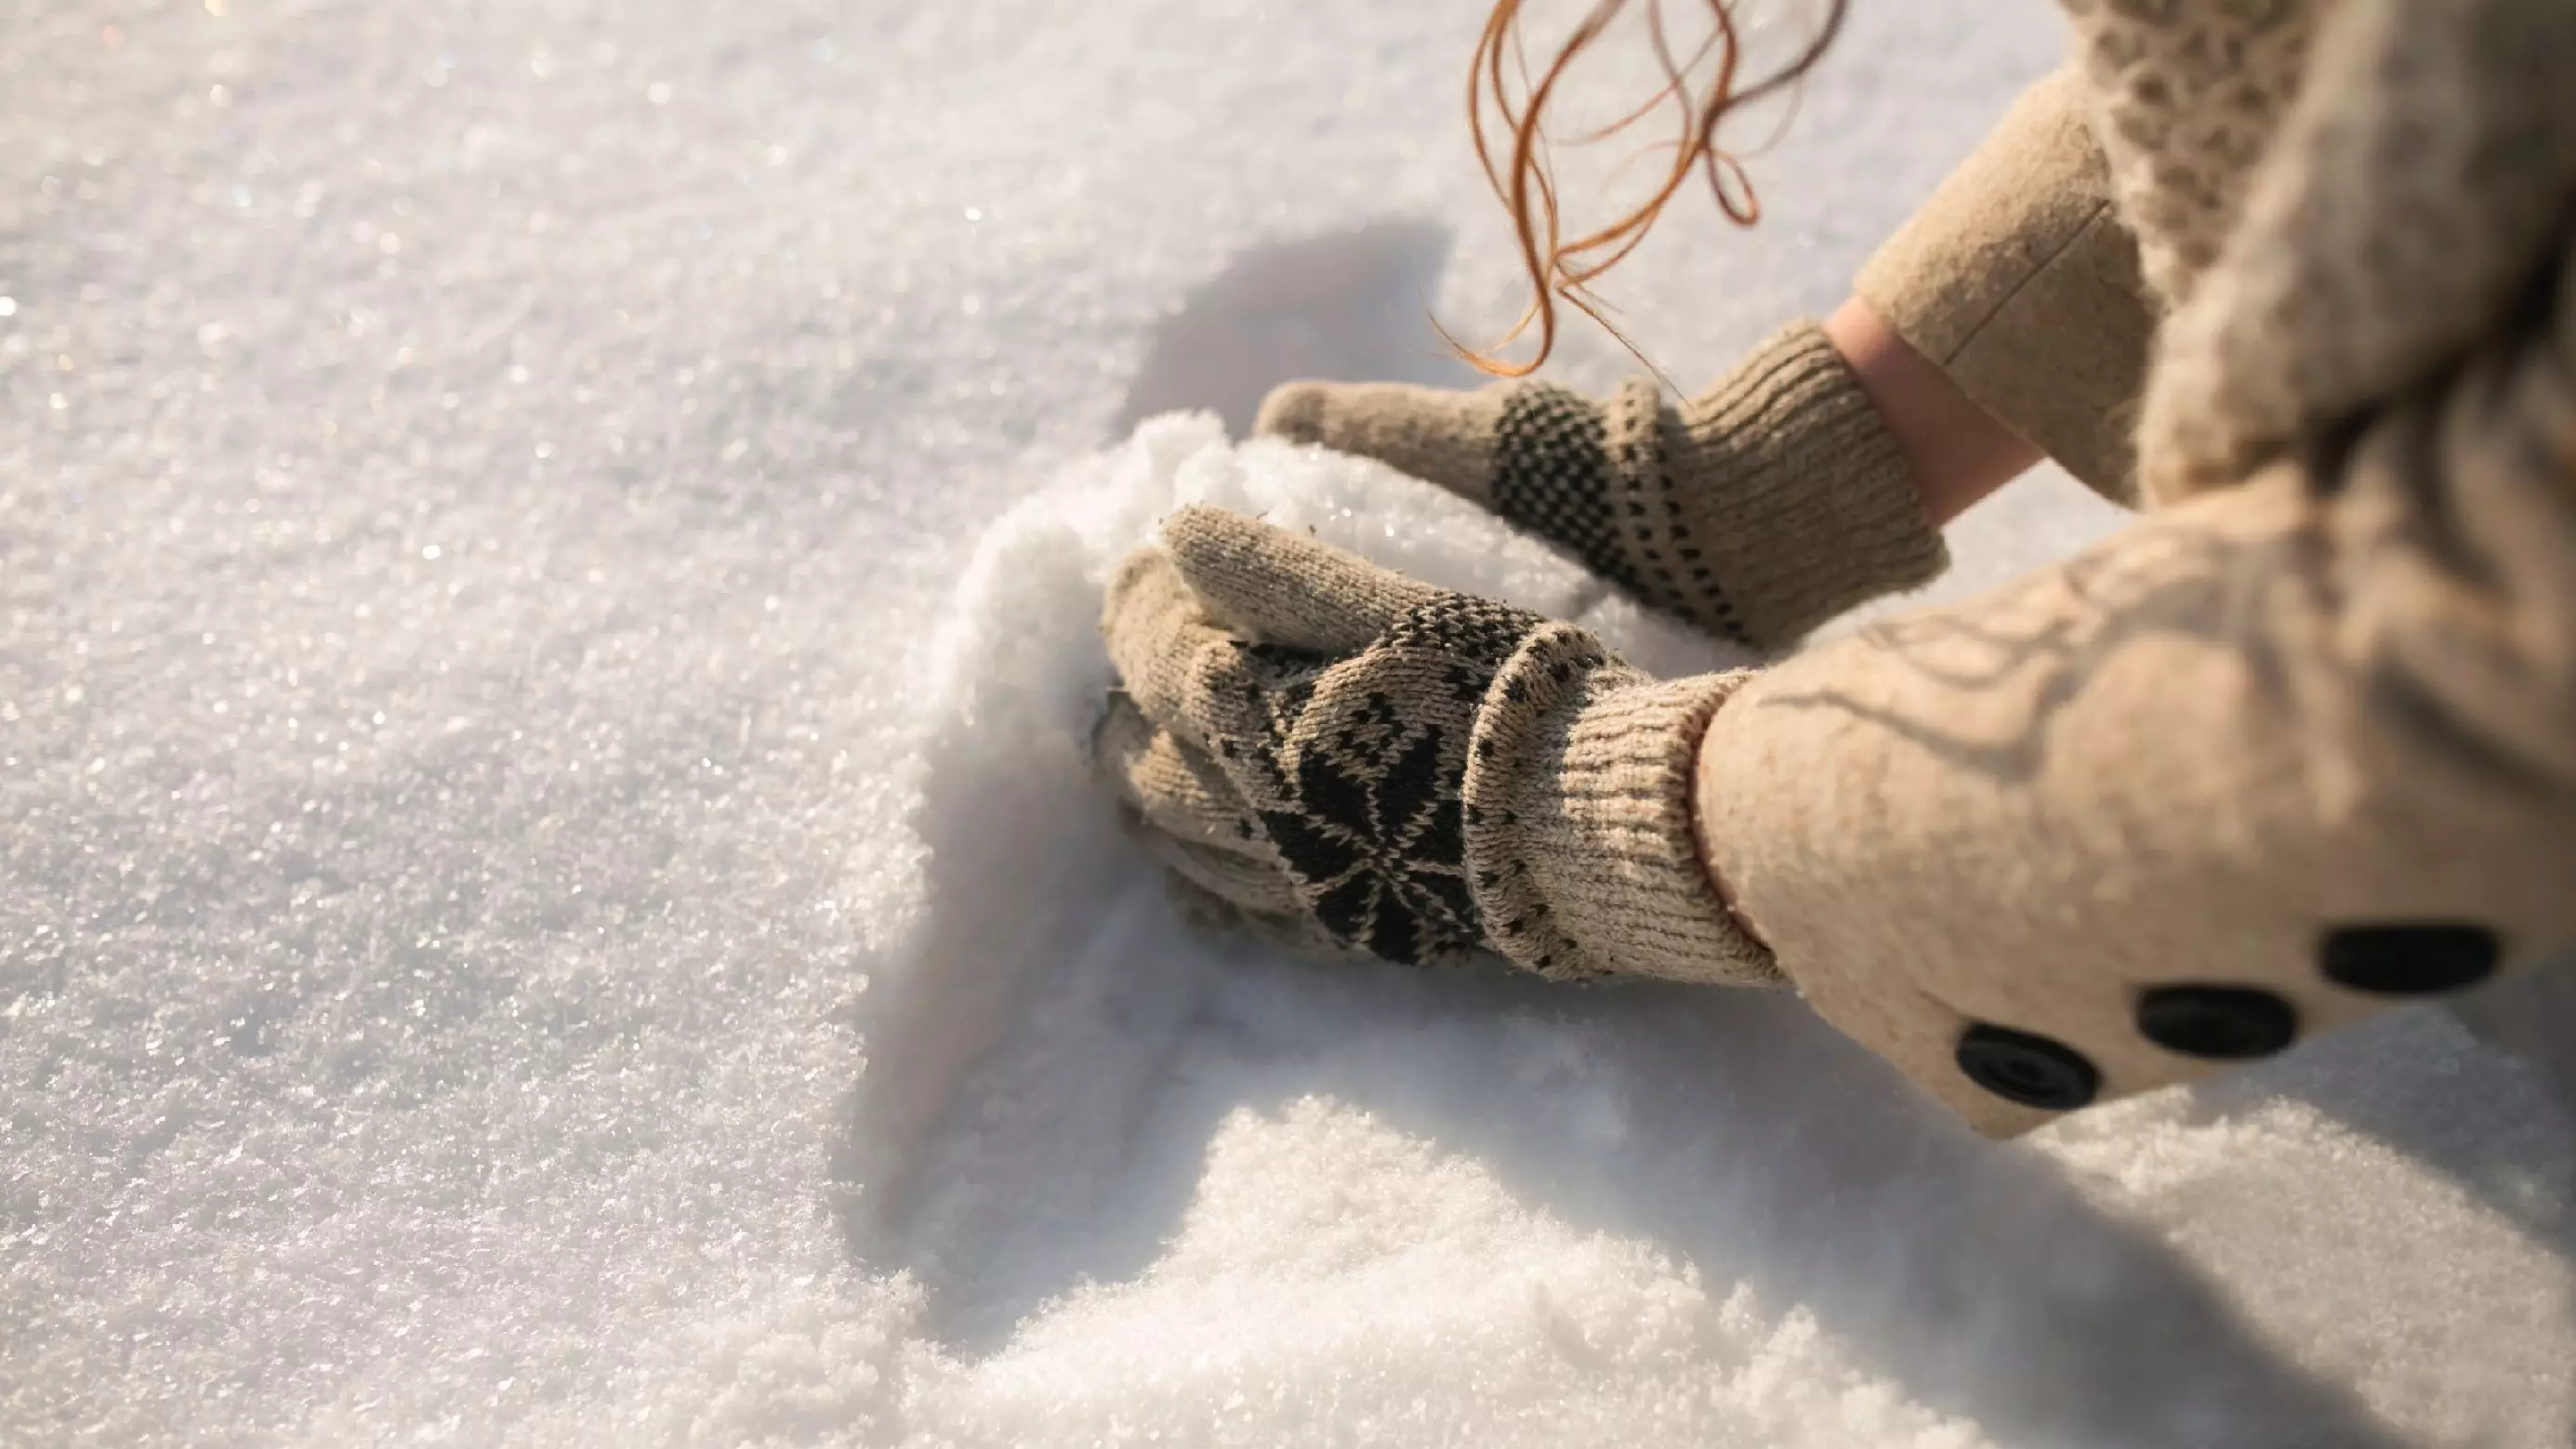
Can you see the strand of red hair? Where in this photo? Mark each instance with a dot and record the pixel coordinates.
(1561, 269)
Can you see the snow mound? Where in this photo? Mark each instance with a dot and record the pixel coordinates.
(1156, 1185)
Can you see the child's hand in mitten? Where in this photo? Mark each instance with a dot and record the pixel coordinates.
(1366, 765)
(1756, 510)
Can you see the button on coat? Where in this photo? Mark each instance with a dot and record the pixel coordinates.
(2409, 960)
(2220, 1023)
(2032, 1070)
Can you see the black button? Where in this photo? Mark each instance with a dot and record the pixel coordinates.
(2409, 960)
(2031, 1070)
(2225, 1023)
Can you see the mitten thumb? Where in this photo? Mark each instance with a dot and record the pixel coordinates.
(1437, 435)
(1284, 588)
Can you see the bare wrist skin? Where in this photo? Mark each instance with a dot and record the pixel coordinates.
(1956, 451)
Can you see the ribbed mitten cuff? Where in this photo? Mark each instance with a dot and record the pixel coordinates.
(1578, 821)
(1794, 496)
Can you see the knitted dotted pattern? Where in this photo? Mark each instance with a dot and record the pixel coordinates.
(1592, 478)
(1552, 472)
(1519, 918)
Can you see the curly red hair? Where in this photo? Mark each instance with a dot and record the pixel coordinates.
(1562, 268)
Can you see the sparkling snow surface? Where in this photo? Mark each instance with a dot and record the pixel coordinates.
(548, 551)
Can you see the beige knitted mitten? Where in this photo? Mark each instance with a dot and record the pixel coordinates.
(1756, 510)
(1363, 765)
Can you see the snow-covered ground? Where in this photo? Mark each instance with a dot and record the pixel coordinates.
(547, 554)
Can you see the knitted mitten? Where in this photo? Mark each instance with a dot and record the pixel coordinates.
(1368, 766)
(1756, 510)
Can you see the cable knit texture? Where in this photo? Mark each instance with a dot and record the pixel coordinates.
(2333, 199)
(1349, 760)
(2377, 241)
(2185, 96)
(1756, 510)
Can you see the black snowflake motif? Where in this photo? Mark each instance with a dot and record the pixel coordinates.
(1368, 823)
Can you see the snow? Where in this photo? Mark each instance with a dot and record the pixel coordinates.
(547, 561)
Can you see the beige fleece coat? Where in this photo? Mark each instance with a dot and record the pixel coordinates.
(2301, 743)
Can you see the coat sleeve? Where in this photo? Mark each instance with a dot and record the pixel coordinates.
(2258, 766)
(2019, 281)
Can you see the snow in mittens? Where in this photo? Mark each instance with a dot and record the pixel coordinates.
(549, 894)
